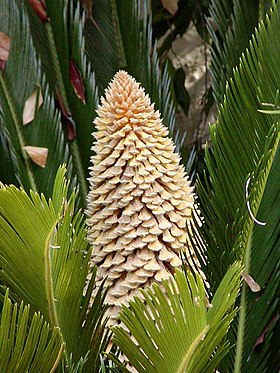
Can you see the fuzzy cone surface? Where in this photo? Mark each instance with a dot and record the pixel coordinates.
(140, 199)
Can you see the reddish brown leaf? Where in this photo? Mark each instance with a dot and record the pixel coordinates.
(87, 5)
(30, 106)
(38, 154)
(261, 338)
(70, 125)
(2, 65)
(66, 119)
(5, 42)
(39, 8)
(77, 81)
(61, 103)
(253, 285)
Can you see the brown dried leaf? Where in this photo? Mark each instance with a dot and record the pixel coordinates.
(87, 5)
(253, 285)
(207, 303)
(5, 42)
(77, 81)
(38, 154)
(39, 8)
(170, 5)
(2, 65)
(30, 106)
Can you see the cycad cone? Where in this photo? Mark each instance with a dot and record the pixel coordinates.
(140, 199)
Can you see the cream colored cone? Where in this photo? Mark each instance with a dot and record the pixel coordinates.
(140, 199)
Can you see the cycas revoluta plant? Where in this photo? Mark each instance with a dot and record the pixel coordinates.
(48, 310)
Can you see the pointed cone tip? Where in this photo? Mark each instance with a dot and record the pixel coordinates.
(123, 78)
(121, 74)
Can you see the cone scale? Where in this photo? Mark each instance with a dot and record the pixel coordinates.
(140, 199)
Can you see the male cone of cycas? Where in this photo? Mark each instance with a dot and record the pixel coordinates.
(140, 199)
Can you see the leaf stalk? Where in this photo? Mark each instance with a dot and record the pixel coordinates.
(50, 291)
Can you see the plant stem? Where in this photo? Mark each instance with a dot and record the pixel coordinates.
(50, 291)
(57, 359)
(243, 309)
(21, 141)
(186, 360)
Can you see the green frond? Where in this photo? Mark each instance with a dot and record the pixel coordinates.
(102, 29)
(231, 29)
(173, 330)
(46, 243)
(265, 272)
(83, 114)
(268, 237)
(238, 139)
(27, 344)
(18, 81)
(245, 143)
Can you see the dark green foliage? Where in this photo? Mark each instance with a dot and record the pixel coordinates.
(7, 171)
(264, 268)
(231, 27)
(104, 45)
(244, 144)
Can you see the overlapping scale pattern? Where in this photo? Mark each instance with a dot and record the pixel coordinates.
(140, 199)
